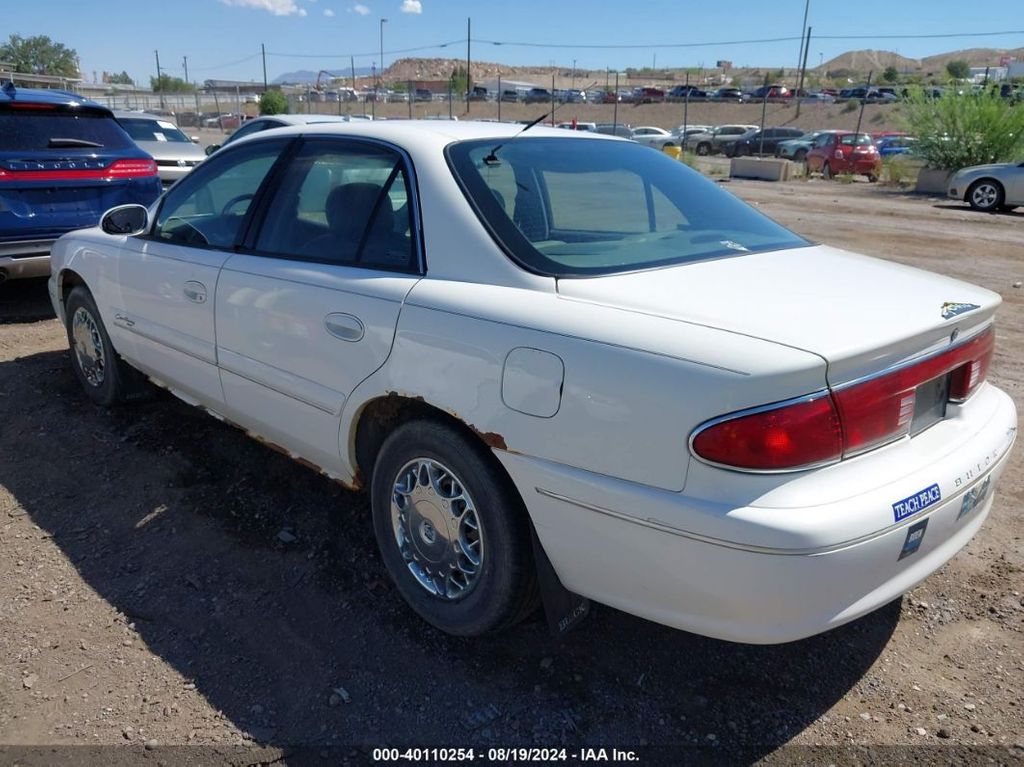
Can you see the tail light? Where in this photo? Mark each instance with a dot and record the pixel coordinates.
(842, 422)
(117, 169)
(839, 154)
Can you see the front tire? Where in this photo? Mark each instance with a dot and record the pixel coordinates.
(986, 195)
(826, 172)
(452, 530)
(703, 149)
(800, 155)
(106, 378)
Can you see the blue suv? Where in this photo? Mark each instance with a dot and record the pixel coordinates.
(64, 161)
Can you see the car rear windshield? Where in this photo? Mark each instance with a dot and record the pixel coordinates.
(143, 129)
(32, 131)
(851, 140)
(576, 207)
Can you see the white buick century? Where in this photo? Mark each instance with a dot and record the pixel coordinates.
(707, 420)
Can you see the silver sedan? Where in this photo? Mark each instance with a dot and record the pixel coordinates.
(989, 187)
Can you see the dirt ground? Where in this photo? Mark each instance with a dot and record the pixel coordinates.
(166, 580)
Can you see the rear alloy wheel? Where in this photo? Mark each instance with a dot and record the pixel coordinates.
(986, 195)
(452, 530)
(703, 149)
(106, 378)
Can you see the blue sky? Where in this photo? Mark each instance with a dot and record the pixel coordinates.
(222, 37)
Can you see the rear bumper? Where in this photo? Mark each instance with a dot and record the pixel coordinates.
(642, 550)
(24, 259)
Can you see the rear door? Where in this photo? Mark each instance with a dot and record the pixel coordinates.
(62, 167)
(310, 309)
(166, 282)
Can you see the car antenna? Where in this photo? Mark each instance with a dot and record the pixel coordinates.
(492, 157)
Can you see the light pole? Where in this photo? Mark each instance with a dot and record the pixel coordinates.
(573, 87)
(381, 70)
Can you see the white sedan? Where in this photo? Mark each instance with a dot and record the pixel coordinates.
(659, 138)
(556, 351)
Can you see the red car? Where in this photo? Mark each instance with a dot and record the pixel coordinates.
(648, 95)
(841, 152)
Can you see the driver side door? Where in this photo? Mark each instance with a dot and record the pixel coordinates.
(168, 278)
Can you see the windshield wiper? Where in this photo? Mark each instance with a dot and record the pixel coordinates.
(60, 143)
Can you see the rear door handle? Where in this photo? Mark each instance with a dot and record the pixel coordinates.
(195, 291)
(347, 327)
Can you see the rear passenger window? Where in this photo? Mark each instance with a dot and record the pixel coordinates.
(342, 202)
(207, 207)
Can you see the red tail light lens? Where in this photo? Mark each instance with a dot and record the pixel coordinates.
(801, 434)
(843, 423)
(132, 168)
(880, 410)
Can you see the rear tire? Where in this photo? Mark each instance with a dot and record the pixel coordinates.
(986, 195)
(106, 378)
(703, 149)
(452, 530)
(800, 155)
(826, 172)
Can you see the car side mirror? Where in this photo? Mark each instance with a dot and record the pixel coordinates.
(194, 139)
(211, 149)
(125, 219)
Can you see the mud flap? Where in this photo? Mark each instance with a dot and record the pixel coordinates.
(564, 609)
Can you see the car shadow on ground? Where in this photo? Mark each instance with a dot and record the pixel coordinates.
(1018, 213)
(259, 582)
(24, 301)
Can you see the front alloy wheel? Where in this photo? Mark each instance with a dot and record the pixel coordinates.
(985, 195)
(90, 352)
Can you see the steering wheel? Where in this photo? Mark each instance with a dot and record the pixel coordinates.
(234, 201)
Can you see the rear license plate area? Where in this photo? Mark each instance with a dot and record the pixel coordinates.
(930, 400)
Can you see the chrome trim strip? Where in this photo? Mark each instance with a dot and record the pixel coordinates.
(753, 411)
(914, 360)
(664, 527)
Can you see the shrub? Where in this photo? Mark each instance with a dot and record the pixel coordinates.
(958, 130)
(851, 106)
(899, 170)
(273, 103)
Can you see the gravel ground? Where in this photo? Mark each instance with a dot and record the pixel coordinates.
(166, 580)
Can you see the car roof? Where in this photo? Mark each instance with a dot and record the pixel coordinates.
(10, 94)
(427, 135)
(305, 119)
(128, 114)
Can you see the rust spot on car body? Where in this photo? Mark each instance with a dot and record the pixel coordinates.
(491, 439)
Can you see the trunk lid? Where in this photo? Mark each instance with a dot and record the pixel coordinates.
(860, 314)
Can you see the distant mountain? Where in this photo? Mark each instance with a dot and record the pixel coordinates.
(309, 75)
(863, 61)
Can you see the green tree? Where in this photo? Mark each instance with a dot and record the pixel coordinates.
(956, 131)
(39, 55)
(891, 74)
(168, 84)
(958, 69)
(273, 103)
(458, 80)
(120, 79)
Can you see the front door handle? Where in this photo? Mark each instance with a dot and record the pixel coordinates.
(344, 326)
(195, 291)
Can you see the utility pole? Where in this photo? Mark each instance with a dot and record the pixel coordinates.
(263, 51)
(352, 66)
(552, 99)
(469, 77)
(499, 95)
(615, 112)
(803, 28)
(382, 23)
(863, 101)
(573, 74)
(803, 72)
(376, 93)
(159, 79)
(184, 63)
